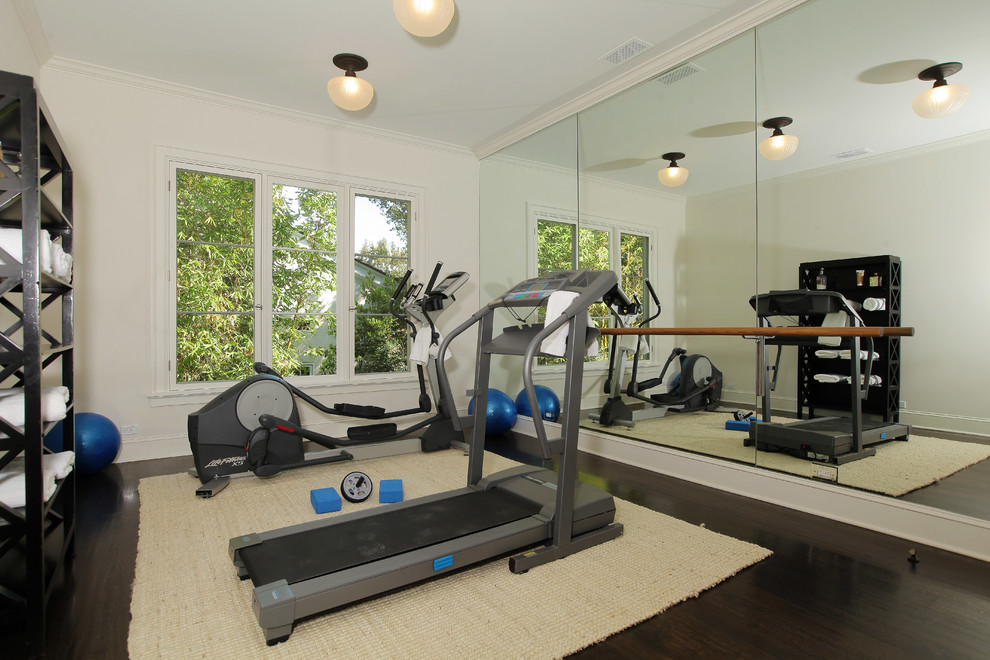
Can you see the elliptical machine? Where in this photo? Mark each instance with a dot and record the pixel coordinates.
(254, 426)
(696, 386)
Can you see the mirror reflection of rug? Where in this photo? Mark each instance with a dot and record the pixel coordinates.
(898, 467)
(188, 602)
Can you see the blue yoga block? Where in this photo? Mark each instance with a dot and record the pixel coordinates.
(324, 500)
(389, 491)
(738, 425)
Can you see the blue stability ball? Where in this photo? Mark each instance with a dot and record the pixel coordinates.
(501, 414)
(546, 399)
(97, 442)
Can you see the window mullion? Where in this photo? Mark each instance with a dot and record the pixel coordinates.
(263, 351)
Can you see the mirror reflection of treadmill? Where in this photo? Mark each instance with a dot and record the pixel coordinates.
(836, 439)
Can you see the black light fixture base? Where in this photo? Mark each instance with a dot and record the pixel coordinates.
(350, 62)
(940, 71)
(777, 123)
(672, 156)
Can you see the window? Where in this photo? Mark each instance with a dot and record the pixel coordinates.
(290, 271)
(597, 244)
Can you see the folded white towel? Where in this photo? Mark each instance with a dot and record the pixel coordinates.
(53, 404)
(833, 320)
(827, 354)
(13, 483)
(830, 378)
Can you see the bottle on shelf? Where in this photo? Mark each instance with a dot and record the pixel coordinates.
(821, 282)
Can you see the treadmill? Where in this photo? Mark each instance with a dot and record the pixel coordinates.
(306, 569)
(836, 440)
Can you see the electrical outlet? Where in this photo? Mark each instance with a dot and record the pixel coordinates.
(823, 472)
(902, 405)
(130, 429)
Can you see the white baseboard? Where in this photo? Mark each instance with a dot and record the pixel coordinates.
(143, 449)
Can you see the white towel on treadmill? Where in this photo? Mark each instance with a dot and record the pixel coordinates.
(833, 320)
(556, 343)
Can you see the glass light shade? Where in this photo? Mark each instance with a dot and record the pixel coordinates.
(778, 147)
(350, 92)
(940, 101)
(673, 176)
(424, 18)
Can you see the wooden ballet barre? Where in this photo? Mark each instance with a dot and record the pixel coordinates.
(802, 331)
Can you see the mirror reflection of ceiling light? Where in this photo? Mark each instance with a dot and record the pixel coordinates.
(673, 175)
(348, 91)
(424, 18)
(778, 146)
(942, 99)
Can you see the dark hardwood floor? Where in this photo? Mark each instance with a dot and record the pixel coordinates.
(829, 590)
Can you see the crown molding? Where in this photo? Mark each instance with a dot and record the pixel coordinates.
(566, 107)
(114, 76)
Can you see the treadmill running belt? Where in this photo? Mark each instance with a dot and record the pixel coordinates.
(335, 547)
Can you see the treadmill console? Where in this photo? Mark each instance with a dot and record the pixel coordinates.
(533, 292)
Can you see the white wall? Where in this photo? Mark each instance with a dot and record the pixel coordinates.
(716, 278)
(509, 185)
(927, 208)
(16, 52)
(112, 126)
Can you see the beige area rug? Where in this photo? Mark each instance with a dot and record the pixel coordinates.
(187, 601)
(898, 467)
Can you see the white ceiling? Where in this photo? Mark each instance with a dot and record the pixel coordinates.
(500, 64)
(845, 70)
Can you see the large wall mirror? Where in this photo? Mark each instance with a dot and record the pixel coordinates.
(870, 178)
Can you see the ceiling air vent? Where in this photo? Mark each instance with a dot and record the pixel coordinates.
(626, 51)
(680, 73)
(853, 153)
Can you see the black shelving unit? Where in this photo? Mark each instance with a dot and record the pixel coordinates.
(36, 540)
(857, 279)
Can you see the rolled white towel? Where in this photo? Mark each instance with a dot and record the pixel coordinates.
(845, 354)
(45, 251)
(61, 262)
(11, 242)
(826, 354)
(53, 404)
(875, 380)
(830, 378)
(13, 485)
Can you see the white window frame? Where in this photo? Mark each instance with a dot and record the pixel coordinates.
(537, 212)
(266, 175)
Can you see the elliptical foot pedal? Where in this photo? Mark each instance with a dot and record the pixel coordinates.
(213, 486)
(373, 432)
(368, 412)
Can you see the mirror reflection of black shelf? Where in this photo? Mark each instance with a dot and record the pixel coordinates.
(874, 283)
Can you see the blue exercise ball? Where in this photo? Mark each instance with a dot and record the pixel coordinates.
(501, 413)
(546, 399)
(97, 442)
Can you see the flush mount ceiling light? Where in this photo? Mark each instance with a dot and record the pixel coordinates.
(424, 18)
(348, 91)
(673, 175)
(942, 99)
(778, 146)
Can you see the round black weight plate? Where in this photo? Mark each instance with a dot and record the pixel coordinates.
(356, 487)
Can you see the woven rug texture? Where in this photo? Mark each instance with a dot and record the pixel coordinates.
(187, 601)
(897, 468)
